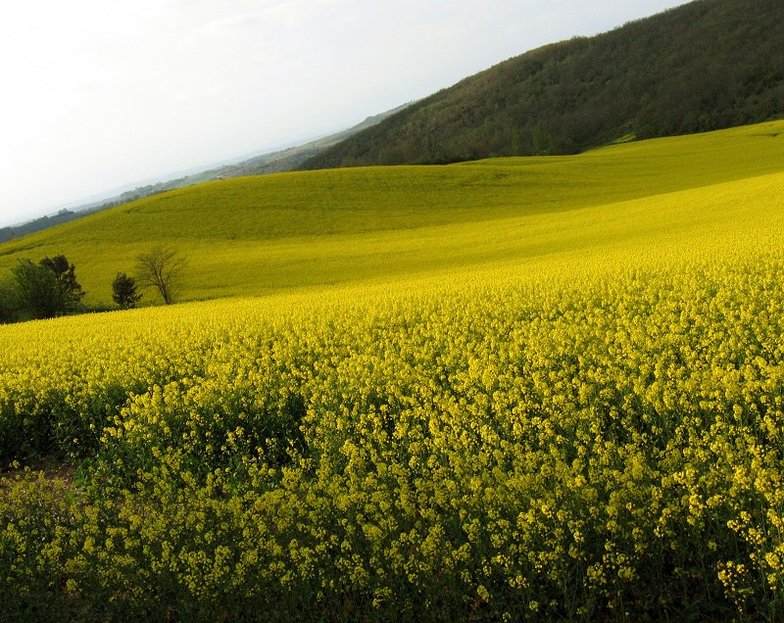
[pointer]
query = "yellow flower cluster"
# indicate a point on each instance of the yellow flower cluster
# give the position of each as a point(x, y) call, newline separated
point(498, 451)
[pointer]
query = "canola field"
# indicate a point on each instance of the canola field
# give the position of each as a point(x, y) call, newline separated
point(497, 451)
point(594, 431)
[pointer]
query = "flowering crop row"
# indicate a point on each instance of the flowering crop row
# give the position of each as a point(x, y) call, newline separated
point(495, 451)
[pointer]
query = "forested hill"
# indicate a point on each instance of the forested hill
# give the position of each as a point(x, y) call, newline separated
point(705, 65)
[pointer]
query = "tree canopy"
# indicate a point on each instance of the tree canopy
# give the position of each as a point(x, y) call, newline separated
point(45, 289)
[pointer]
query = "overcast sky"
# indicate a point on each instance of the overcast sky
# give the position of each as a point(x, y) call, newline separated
point(100, 94)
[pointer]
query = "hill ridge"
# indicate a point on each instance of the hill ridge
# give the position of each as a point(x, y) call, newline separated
point(642, 79)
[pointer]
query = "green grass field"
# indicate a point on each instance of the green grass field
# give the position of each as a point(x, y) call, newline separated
point(510, 390)
point(259, 235)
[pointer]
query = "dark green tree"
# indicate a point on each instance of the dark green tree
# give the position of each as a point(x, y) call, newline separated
point(72, 292)
point(38, 290)
point(46, 289)
point(124, 291)
point(9, 304)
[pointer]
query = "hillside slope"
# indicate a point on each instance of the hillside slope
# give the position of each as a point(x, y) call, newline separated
point(706, 65)
point(259, 235)
point(272, 162)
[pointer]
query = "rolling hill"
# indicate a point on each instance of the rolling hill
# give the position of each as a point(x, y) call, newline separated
point(272, 162)
point(276, 233)
point(706, 65)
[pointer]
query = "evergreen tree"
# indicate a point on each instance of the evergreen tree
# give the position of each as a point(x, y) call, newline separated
point(124, 291)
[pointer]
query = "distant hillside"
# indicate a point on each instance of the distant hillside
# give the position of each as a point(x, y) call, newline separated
point(44, 222)
point(272, 162)
point(293, 157)
point(706, 65)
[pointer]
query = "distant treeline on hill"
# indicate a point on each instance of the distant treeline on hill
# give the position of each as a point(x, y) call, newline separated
point(63, 216)
point(273, 162)
point(706, 65)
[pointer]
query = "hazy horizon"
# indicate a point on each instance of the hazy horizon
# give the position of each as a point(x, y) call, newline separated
point(107, 96)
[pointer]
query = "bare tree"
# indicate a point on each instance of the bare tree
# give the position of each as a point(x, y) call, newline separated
point(161, 268)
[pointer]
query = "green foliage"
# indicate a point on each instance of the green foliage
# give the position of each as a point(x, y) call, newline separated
point(38, 289)
point(702, 66)
point(70, 289)
point(9, 304)
point(46, 289)
point(124, 292)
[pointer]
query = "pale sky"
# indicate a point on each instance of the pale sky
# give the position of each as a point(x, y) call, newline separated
point(103, 94)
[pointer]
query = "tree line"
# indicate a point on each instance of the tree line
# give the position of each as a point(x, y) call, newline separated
point(63, 216)
point(49, 288)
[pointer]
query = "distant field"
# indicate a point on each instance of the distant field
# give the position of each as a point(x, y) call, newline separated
point(275, 233)
point(513, 390)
